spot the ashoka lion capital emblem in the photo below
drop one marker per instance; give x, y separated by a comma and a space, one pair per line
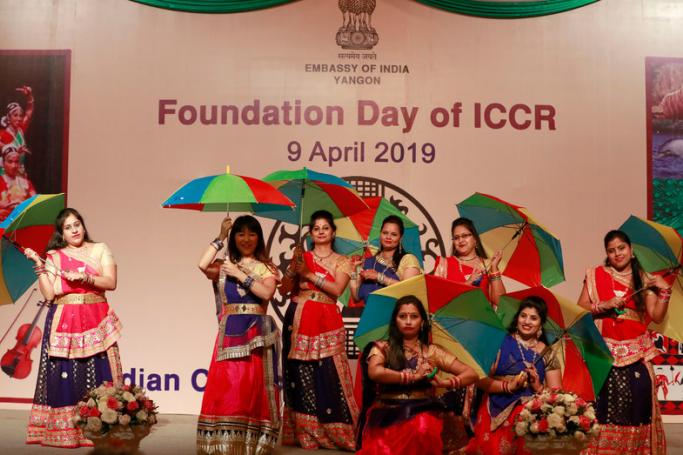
357, 31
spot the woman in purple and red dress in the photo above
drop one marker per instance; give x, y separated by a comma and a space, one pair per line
79, 350
406, 417
521, 369
467, 265
241, 405
320, 410
627, 406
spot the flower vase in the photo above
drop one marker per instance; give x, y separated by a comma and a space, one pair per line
559, 445
119, 440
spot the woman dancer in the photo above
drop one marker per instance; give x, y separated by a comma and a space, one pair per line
390, 265
79, 350
521, 370
623, 300
240, 409
406, 417
467, 265
320, 410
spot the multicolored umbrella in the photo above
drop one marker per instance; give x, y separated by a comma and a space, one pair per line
585, 358
29, 225
463, 321
228, 192
531, 254
659, 249
312, 191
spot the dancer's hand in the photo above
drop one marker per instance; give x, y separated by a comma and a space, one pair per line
226, 224
32, 255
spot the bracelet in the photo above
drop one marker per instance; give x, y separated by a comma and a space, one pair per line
319, 281
354, 276
290, 273
248, 282
506, 386
495, 278
380, 278
39, 270
217, 244
496, 274
404, 379
595, 308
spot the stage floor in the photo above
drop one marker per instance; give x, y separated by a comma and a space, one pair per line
175, 434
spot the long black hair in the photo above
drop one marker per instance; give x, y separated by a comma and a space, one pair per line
323, 215
637, 280
251, 224
396, 359
538, 304
57, 240
399, 252
469, 225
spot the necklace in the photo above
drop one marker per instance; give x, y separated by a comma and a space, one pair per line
624, 276
529, 346
417, 352
467, 277
322, 258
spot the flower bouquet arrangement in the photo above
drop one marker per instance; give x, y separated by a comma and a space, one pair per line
116, 417
555, 419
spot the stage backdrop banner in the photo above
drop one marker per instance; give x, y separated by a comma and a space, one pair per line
413, 103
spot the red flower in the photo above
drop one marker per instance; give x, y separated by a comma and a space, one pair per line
84, 411
536, 405
584, 423
543, 425
149, 405
94, 412
580, 402
132, 406
126, 388
113, 403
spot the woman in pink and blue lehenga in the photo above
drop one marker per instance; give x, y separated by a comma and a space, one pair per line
241, 405
79, 350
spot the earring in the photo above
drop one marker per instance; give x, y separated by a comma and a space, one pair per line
539, 333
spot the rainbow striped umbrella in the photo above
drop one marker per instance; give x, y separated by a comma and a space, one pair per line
228, 192
585, 358
463, 321
659, 249
531, 254
312, 191
30, 225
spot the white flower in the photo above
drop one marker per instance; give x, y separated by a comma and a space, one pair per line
581, 436
124, 419
534, 427
572, 409
595, 430
569, 398
141, 416
152, 419
102, 406
127, 396
520, 428
94, 424
590, 414
546, 408
525, 414
109, 416
91, 403
555, 421
559, 410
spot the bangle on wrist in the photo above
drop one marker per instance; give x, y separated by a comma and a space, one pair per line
217, 243
248, 282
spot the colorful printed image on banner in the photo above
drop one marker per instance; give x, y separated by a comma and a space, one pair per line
34, 104
664, 95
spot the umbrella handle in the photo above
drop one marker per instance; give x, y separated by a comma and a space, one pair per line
671, 271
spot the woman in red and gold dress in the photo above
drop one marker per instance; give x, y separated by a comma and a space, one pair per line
320, 410
79, 350
406, 417
627, 406
241, 405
